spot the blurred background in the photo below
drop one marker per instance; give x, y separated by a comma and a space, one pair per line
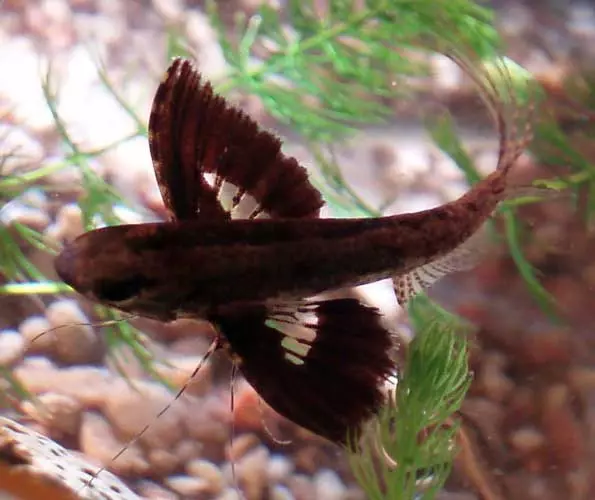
76, 83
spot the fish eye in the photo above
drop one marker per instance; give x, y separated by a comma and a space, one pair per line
120, 290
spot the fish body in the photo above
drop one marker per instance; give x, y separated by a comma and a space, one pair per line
188, 268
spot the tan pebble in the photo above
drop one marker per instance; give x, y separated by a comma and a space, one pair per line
241, 445
123, 360
188, 450
308, 458
75, 341
230, 494
207, 420
162, 462
179, 369
562, 430
171, 10
27, 216
279, 492
496, 385
98, 441
12, 347
582, 378
546, 348
251, 470
185, 485
69, 222
153, 491
279, 468
521, 407
87, 384
557, 396
61, 415
33, 330
52, 235
328, 485
36, 198
448, 495
484, 413
209, 473
383, 156
527, 440
580, 482
302, 487
130, 409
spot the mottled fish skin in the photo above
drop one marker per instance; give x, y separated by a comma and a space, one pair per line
320, 363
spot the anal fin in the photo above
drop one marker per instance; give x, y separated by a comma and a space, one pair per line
464, 257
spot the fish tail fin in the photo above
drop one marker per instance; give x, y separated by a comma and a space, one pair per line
512, 98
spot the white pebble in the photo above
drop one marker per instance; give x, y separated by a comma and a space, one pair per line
33, 331
69, 222
27, 216
279, 492
185, 485
207, 472
279, 467
328, 485
230, 494
75, 341
12, 347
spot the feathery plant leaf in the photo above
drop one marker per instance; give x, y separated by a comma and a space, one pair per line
411, 451
323, 67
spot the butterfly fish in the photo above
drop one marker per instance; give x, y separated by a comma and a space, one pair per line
321, 363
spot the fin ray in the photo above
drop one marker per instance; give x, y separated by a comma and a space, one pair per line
330, 381
193, 132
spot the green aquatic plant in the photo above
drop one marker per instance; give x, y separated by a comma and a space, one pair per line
410, 451
324, 69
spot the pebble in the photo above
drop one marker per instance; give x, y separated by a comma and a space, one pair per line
163, 462
150, 490
17, 147
59, 414
98, 441
565, 437
302, 487
33, 330
26, 97
280, 492
279, 468
207, 420
209, 473
12, 347
75, 341
328, 485
68, 225
230, 494
527, 440
492, 379
242, 445
179, 369
17, 212
252, 473
187, 450
130, 408
185, 485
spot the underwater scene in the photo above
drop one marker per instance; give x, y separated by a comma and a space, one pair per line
297, 250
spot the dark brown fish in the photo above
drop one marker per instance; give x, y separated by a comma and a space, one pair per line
319, 363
